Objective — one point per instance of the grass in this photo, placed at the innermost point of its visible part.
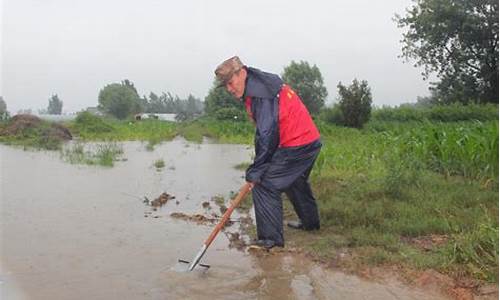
(226, 132)
(441, 113)
(89, 127)
(159, 164)
(103, 154)
(377, 189)
(242, 166)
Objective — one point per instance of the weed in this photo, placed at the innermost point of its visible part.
(159, 164)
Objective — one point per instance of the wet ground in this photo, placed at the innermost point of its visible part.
(84, 232)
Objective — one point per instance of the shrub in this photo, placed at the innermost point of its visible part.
(90, 123)
(332, 115)
(355, 103)
(230, 113)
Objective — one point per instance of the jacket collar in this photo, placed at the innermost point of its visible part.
(261, 84)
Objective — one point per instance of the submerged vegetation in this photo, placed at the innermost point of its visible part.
(159, 164)
(416, 187)
(104, 154)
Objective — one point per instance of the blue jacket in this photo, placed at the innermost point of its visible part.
(263, 88)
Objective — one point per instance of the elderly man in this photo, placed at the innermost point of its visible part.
(286, 145)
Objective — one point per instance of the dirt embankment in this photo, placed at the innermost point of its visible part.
(20, 125)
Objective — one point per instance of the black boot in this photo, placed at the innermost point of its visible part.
(266, 244)
(298, 225)
(295, 224)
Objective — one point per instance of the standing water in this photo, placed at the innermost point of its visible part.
(83, 232)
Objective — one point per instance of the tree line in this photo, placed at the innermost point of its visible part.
(457, 40)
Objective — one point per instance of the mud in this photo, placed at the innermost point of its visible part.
(162, 199)
(196, 218)
(69, 232)
(20, 123)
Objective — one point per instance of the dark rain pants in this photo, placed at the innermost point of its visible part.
(288, 172)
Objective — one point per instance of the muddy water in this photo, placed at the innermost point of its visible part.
(83, 232)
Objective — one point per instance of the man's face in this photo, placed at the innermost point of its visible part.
(236, 85)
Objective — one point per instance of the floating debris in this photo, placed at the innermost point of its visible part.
(198, 218)
(161, 200)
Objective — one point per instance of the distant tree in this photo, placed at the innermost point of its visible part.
(423, 101)
(119, 100)
(458, 39)
(308, 83)
(55, 105)
(4, 114)
(129, 84)
(25, 111)
(355, 103)
(155, 104)
(191, 109)
(222, 105)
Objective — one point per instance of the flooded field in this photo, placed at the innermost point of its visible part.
(84, 232)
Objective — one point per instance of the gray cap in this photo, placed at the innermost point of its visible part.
(226, 69)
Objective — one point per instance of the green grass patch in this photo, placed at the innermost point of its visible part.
(94, 128)
(242, 166)
(159, 164)
(103, 154)
(222, 131)
(442, 113)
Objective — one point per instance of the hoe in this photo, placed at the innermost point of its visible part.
(234, 203)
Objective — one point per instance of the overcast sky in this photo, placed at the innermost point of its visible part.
(74, 48)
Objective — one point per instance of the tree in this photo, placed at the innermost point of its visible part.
(355, 103)
(191, 108)
(4, 114)
(222, 105)
(55, 105)
(458, 39)
(119, 100)
(308, 83)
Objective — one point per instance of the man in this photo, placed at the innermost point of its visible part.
(286, 145)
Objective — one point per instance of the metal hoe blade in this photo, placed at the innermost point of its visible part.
(236, 201)
(189, 263)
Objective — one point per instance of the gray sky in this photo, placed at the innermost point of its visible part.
(74, 48)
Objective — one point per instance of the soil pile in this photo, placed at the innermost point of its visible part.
(20, 125)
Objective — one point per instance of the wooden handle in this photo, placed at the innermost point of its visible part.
(234, 203)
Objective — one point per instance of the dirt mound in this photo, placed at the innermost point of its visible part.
(20, 123)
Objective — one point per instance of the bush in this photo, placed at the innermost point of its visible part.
(443, 113)
(355, 103)
(230, 113)
(332, 115)
(119, 100)
(89, 123)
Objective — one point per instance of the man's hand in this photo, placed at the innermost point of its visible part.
(251, 184)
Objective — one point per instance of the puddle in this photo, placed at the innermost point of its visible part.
(80, 232)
